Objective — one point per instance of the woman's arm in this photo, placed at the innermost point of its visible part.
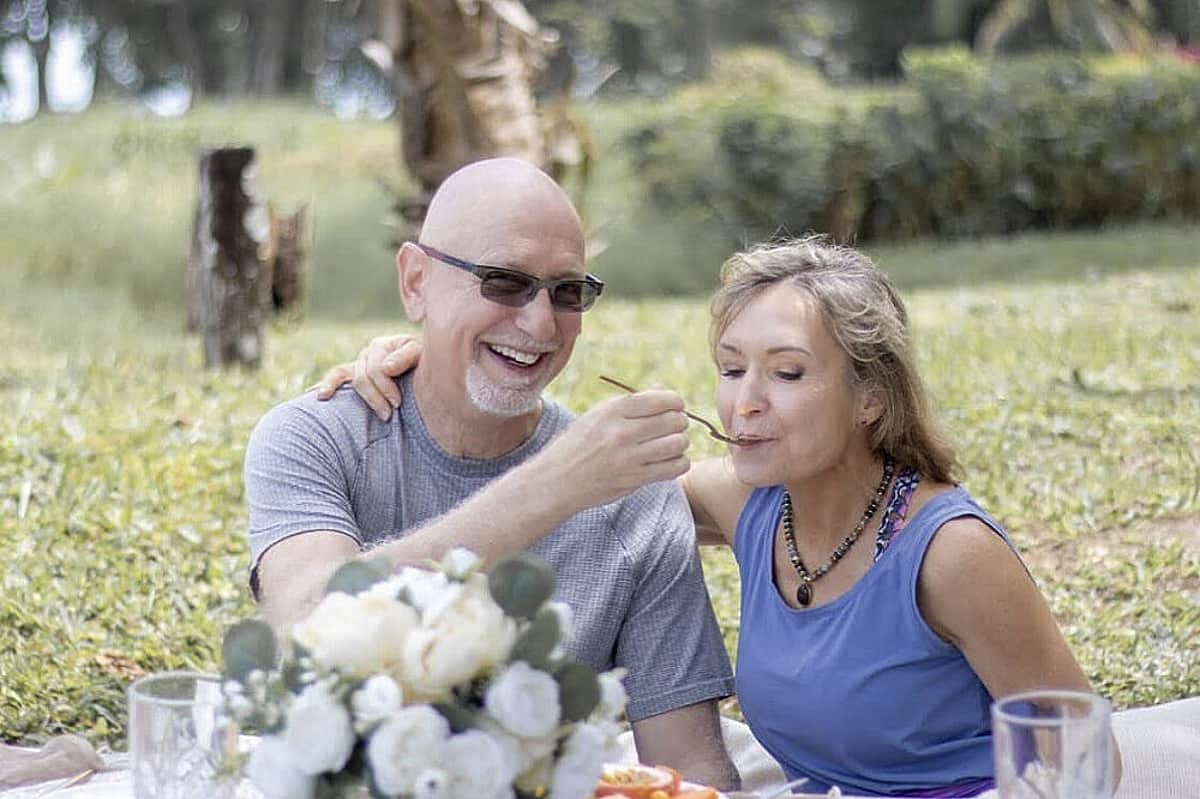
(716, 497)
(974, 592)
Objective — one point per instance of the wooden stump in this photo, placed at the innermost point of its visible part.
(281, 282)
(223, 268)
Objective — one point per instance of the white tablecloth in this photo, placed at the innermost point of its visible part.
(1160, 749)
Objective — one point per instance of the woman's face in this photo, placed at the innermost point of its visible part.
(784, 390)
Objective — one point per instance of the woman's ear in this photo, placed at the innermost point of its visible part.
(412, 270)
(870, 407)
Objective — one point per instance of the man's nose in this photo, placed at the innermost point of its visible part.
(537, 316)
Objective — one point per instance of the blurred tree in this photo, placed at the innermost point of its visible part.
(1180, 18)
(1108, 25)
(464, 73)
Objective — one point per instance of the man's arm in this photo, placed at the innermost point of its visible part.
(688, 739)
(621, 444)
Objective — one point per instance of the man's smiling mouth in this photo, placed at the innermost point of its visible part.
(518, 357)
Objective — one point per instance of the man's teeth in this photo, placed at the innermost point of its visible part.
(523, 358)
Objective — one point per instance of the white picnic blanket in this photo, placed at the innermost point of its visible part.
(1160, 754)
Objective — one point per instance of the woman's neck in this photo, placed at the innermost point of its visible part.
(827, 506)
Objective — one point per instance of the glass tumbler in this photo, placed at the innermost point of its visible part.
(180, 737)
(1053, 745)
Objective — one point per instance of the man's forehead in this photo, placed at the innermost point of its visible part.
(543, 255)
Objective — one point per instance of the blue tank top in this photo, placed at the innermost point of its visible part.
(860, 693)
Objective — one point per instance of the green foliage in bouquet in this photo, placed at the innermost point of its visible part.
(439, 683)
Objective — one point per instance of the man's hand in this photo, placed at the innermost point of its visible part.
(373, 372)
(618, 446)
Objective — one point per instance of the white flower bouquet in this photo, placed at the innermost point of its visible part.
(426, 684)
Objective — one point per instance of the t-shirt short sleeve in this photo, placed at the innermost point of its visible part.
(669, 640)
(297, 477)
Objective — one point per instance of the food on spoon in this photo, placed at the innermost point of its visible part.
(639, 782)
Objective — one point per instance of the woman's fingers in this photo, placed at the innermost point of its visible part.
(379, 363)
(333, 379)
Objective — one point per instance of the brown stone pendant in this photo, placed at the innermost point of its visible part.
(804, 595)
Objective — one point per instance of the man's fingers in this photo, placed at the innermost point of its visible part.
(668, 469)
(663, 449)
(651, 403)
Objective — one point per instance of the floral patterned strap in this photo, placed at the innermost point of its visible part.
(896, 512)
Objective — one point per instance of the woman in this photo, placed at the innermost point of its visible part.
(882, 608)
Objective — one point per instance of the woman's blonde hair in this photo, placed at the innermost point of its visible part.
(868, 320)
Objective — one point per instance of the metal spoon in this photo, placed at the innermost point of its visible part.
(713, 430)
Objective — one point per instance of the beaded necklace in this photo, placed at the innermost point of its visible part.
(804, 593)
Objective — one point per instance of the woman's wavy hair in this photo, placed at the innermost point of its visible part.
(868, 320)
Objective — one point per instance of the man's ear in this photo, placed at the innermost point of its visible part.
(412, 271)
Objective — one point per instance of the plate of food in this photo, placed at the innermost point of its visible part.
(637, 781)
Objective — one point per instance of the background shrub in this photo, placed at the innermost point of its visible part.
(963, 148)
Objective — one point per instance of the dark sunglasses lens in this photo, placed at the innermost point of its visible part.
(576, 295)
(507, 288)
(515, 289)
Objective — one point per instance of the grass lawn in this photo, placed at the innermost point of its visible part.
(1067, 367)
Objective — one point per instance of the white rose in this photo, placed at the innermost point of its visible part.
(524, 700)
(477, 767)
(566, 620)
(318, 731)
(581, 763)
(429, 591)
(460, 562)
(537, 776)
(612, 697)
(432, 783)
(524, 752)
(358, 635)
(466, 637)
(412, 740)
(379, 697)
(272, 771)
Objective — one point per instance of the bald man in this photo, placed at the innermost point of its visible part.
(476, 457)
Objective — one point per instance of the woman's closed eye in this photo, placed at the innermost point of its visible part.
(789, 375)
(730, 372)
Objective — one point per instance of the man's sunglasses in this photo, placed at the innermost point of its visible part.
(516, 289)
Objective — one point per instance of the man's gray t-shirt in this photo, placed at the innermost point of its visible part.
(629, 570)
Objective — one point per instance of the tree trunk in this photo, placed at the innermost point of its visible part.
(630, 50)
(41, 52)
(223, 269)
(698, 28)
(464, 72)
(281, 283)
(269, 32)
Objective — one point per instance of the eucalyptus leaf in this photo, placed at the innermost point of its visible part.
(356, 576)
(538, 640)
(521, 584)
(578, 691)
(249, 645)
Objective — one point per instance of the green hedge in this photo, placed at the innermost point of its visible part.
(962, 147)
